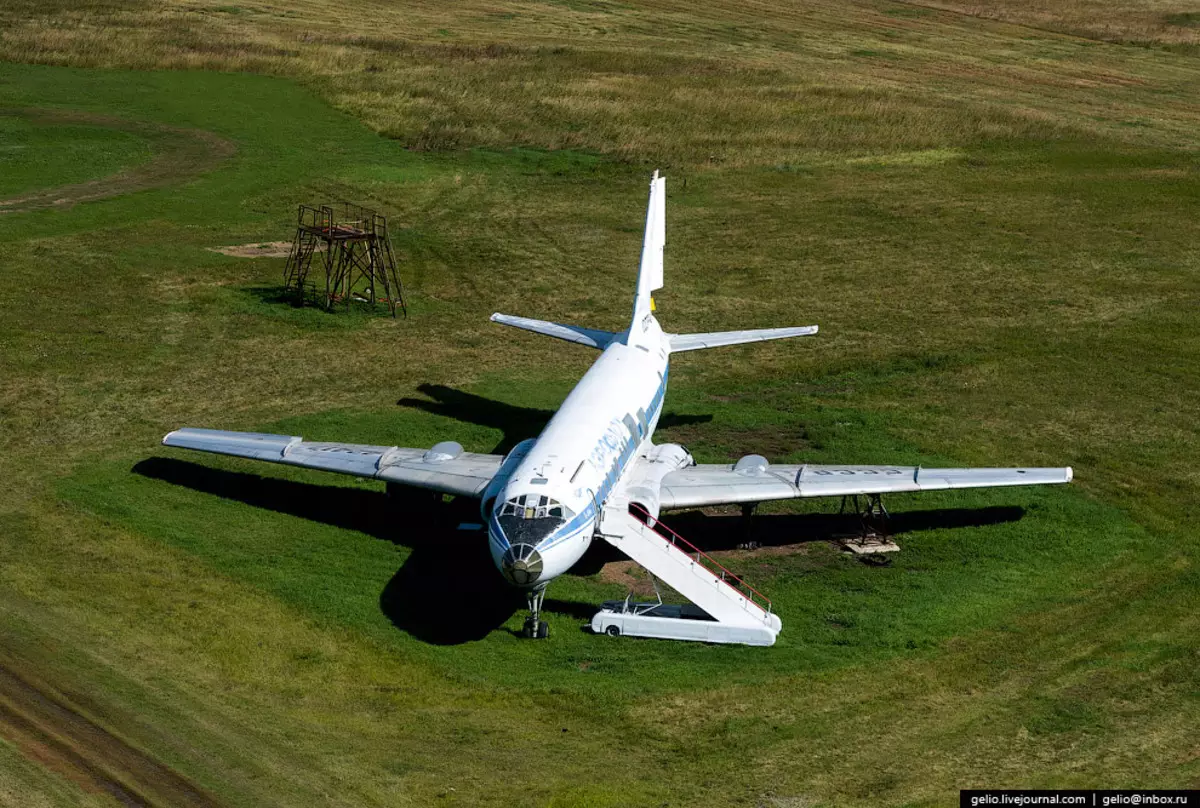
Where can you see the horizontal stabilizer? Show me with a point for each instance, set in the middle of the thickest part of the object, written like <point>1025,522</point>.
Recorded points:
<point>694,342</point>
<point>592,337</point>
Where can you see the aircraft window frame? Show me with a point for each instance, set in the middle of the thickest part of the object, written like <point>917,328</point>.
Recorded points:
<point>534,506</point>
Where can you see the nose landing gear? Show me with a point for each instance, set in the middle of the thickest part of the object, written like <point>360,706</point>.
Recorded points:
<point>535,628</point>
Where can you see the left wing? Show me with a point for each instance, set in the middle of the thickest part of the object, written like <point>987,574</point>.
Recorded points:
<point>728,484</point>
<point>445,467</point>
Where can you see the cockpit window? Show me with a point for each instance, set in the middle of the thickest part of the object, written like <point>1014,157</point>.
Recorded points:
<point>529,518</point>
<point>534,506</point>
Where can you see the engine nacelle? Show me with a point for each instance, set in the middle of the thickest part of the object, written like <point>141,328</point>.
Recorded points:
<point>645,478</point>
<point>443,452</point>
<point>751,466</point>
<point>511,461</point>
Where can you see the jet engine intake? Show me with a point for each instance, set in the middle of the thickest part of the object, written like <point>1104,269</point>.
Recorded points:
<point>646,476</point>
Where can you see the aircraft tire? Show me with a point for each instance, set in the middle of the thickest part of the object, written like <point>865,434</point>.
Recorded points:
<point>613,631</point>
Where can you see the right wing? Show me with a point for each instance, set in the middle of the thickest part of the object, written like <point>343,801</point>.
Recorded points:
<point>696,486</point>
<point>445,467</point>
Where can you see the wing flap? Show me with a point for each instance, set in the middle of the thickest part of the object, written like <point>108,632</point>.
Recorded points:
<point>254,445</point>
<point>701,485</point>
<point>466,474</point>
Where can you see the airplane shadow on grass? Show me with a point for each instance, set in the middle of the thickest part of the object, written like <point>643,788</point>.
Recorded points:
<point>516,423</point>
<point>448,590</point>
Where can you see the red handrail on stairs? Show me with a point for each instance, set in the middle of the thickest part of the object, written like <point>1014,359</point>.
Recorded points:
<point>722,572</point>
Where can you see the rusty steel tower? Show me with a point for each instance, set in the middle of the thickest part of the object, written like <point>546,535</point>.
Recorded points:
<point>359,261</point>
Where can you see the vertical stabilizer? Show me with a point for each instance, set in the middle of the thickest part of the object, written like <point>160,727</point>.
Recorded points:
<point>650,277</point>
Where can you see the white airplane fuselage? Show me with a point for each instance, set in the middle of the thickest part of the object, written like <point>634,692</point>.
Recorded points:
<point>555,493</point>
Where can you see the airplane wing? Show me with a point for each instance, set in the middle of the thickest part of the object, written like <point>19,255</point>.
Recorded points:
<point>727,484</point>
<point>445,467</point>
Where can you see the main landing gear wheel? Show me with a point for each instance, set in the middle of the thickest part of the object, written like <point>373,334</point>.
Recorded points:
<point>613,631</point>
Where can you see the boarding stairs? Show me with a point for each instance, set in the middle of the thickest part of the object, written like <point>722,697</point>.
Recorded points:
<point>688,570</point>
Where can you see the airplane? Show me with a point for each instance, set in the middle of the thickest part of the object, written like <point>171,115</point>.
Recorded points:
<point>594,472</point>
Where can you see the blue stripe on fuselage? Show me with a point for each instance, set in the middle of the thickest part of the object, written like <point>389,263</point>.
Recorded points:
<point>580,521</point>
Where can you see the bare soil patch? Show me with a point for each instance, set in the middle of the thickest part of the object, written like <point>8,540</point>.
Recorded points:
<point>178,155</point>
<point>267,249</point>
<point>629,575</point>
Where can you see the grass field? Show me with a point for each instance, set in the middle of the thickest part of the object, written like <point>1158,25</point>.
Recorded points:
<point>994,225</point>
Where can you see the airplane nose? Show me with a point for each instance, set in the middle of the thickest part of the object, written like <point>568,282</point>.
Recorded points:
<point>521,564</point>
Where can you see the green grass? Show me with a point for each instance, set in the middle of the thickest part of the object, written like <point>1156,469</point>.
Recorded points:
<point>1002,261</point>
<point>837,610</point>
<point>35,156</point>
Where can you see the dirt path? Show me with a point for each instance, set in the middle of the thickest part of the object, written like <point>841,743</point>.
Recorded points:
<point>48,729</point>
<point>178,155</point>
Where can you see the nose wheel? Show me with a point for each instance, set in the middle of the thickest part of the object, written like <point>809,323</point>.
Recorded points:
<point>535,628</point>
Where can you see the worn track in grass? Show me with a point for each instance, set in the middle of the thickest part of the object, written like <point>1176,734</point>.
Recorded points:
<point>180,154</point>
<point>47,728</point>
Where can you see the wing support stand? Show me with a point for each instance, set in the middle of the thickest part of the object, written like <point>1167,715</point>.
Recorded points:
<point>873,536</point>
<point>535,628</point>
<point>747,527</point>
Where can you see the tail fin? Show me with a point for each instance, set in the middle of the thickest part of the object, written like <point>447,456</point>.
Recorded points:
<point>650,277</point>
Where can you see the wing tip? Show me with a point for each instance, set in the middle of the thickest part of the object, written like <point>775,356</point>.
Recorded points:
<point>1070,474</point>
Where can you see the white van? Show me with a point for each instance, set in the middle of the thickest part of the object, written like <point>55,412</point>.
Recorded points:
<point>667,622</point>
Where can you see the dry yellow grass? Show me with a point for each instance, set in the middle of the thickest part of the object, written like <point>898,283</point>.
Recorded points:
<point>1173,23</point>
<point>734,83</point>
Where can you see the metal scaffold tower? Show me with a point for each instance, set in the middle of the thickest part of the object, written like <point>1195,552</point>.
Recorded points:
<point>359,261</point>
